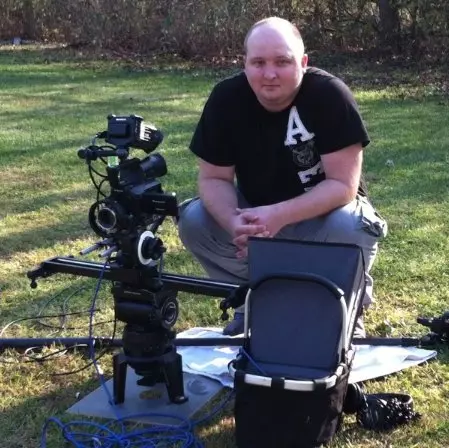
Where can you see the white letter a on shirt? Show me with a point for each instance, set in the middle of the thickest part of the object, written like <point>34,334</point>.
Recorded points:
<point>295,127</point>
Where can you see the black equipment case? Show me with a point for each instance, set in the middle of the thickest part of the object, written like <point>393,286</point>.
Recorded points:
<point>291,375</point>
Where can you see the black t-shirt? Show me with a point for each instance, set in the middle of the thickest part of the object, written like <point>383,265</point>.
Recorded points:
<point>277,154</point>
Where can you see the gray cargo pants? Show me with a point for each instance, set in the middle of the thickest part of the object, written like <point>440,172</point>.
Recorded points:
<point>355,223</point>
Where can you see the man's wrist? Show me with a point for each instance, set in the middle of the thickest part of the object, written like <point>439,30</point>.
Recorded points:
<point>225,218</point>
<point>230,222</point>
<point>283,213</point>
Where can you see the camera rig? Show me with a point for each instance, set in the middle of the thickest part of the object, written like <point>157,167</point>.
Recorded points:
<point>145,297</point>
<point>127,220</point>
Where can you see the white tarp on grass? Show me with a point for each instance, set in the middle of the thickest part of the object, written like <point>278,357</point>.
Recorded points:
<point>369,361</point>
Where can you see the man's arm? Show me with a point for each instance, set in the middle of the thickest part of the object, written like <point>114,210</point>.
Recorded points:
<point>343,169</point>
<point>218,193</point>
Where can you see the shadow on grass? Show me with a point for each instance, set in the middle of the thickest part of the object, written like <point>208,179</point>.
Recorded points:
<point>13,154</point>
<point>66,106</point>
<point>45,201</point>
<point>43,237</point>
<point>182,122</point>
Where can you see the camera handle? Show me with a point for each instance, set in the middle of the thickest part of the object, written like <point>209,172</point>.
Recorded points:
<point>94,152</point>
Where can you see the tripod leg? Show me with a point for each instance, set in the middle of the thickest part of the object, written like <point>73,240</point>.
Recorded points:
<point>119,366</point>
<point>174,379</point>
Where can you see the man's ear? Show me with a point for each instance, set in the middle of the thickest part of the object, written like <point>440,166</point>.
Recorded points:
<point>304,61</point>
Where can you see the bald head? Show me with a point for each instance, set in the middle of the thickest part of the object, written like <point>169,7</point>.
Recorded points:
<point>275,62</point>
<point>280,26</point>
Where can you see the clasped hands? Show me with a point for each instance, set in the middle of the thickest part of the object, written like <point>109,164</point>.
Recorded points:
<point>262,221</point>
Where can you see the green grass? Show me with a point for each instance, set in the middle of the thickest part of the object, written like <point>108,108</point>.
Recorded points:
<point>52,102</point>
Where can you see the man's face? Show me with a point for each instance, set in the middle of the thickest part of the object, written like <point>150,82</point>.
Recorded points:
<point>274,66</point>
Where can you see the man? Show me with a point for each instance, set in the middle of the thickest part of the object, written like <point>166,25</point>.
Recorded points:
<point>292,138</point>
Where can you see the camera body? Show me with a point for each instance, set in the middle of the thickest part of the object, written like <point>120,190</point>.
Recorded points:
<point>135,198</point>
<point>136,195</point>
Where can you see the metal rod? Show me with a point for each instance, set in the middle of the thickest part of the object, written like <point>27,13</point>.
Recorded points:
<point>138,277</point>
<point>24,343</point>
<point>403,342</point>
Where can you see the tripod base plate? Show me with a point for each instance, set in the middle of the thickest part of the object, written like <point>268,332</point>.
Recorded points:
<point>149,400</point>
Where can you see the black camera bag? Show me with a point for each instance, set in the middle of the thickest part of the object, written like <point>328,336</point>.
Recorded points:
<point>291,375</point>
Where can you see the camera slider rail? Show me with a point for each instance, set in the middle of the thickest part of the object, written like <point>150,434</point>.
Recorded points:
<point>132,277</point>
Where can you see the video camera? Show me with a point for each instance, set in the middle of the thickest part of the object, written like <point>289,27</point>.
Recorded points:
<point>136,200</point>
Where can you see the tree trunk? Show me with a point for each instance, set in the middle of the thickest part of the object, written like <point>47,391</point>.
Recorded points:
<point>335,15</point>
<point>389,24</point>
<point>29,28</point>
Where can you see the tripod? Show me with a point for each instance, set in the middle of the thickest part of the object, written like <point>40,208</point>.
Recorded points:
<point>147,303</point>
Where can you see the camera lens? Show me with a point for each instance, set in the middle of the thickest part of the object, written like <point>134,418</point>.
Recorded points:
<point>107,219</point>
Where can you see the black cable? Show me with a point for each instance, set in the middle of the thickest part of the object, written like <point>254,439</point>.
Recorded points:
<point>102,176</point>
<point>99,192</point>
<point>93,361</point>
<point>63,315</point>
<point>34,317</point>
<point>86,366</point>
<point>60,328</point>
<point>52,316</point>
<point>50,356</point>
<point>44,358</point>
<point>92,178</point>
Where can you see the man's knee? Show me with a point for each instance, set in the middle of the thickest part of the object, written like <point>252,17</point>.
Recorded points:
<point>198,229</point>
<point>340,225</point>
<point>190,221</point>
<point>346,225</point>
